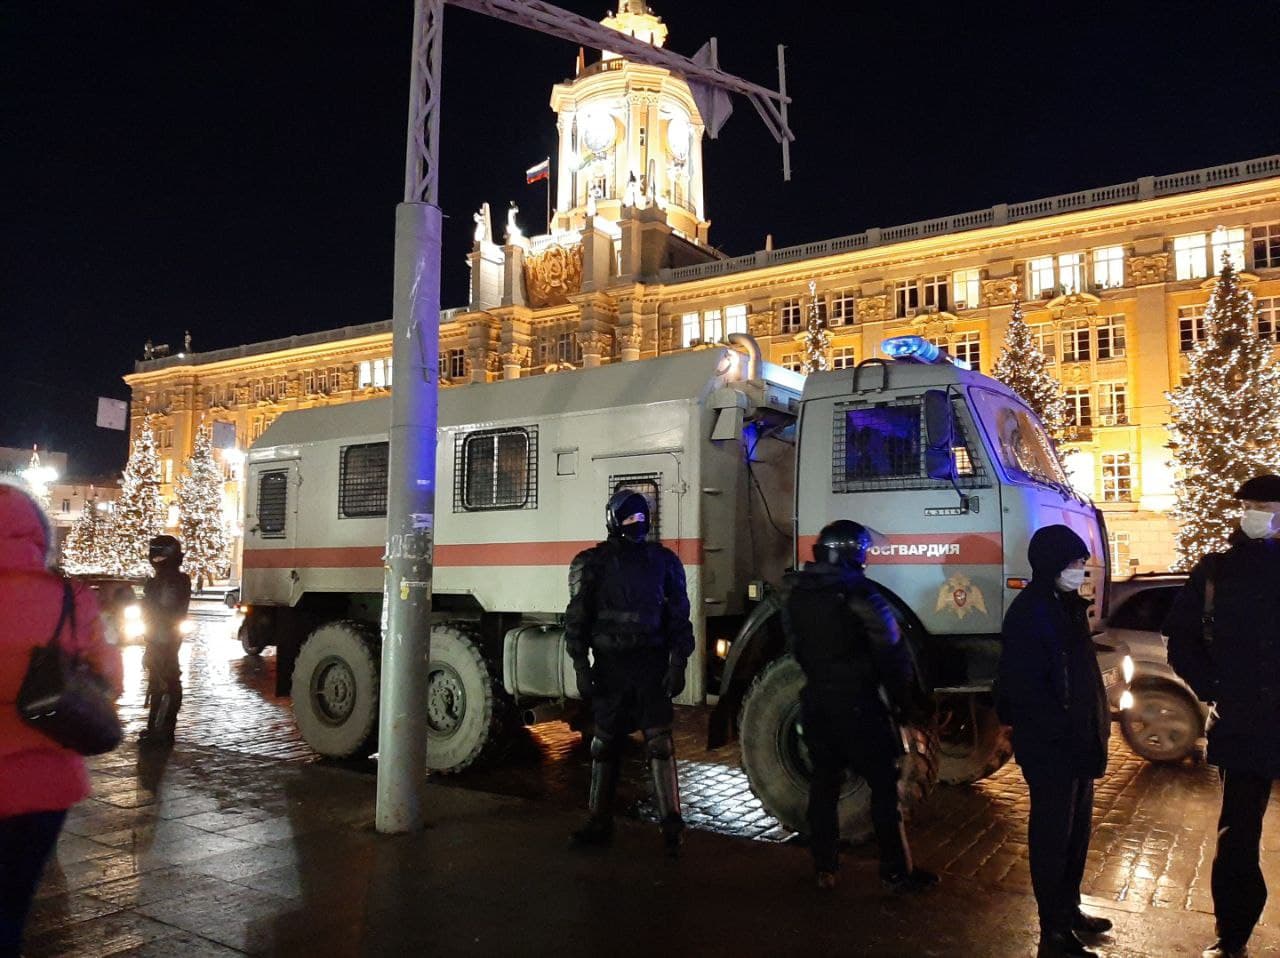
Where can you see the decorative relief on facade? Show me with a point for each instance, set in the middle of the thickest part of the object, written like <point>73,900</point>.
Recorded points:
<point>999,292</point>
<point>242,394</point>
<point>1075,306</point>
<point>934,326</point>
<point>1075,374</point>
<point>873,309</point>
<point>595,341</point>
<point>1144,270</point>
<point>760,324</point>
<point>347,379</point>
<point>553,275</point>
<point>628,338</point>
<point>515,355</point>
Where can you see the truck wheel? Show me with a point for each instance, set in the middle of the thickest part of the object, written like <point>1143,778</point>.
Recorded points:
<point>335,689</point>
<point>254,635</point>
<point>464,715</point>
<point>1164,723</point>
<point>973,742</point>
<point>777,763</point>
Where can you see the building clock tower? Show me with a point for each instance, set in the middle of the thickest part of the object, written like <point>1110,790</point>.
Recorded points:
<point>630,137</point>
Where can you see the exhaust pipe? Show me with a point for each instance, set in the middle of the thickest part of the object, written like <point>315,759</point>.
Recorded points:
<point>546,712</point>
<point>755,357</point>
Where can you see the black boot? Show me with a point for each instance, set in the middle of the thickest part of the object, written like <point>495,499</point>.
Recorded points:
<point>598,829</point>
<point>1062,944</point>
<point>1083,924</point>
<point>666,789</point>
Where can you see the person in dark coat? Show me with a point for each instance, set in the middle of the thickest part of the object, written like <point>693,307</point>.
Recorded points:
<point>1230,656</point>
<point>860,682</point>
<point>1051,692</point>
<point>628,632</point>
<point>166,597</point>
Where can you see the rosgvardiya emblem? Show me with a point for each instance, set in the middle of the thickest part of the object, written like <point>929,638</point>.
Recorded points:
<point>960,596</point>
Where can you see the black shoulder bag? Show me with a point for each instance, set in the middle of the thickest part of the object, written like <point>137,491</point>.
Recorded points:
<point>62,697</point>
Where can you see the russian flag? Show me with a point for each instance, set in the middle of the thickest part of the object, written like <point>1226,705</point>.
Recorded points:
<point>540,171</point>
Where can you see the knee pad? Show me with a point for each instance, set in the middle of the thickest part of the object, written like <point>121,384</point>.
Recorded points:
<point>658,744</point>
<point>604,749</point>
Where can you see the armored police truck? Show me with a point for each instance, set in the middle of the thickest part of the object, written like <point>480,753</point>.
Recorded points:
<point>742,463</point>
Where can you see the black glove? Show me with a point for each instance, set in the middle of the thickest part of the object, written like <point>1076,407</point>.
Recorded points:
<point>673,681</point>
<point>586,688</point>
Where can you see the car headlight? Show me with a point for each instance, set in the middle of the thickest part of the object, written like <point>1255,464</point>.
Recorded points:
<point>1126,668</point>
<point>133,613</point>
<point>134,628</point>
<point>1126,699</point>
<point>186,627</point>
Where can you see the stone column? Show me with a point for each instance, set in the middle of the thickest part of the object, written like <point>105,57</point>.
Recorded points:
<point>629,340</point>
<point>515,358</point>
<point>594,346</point>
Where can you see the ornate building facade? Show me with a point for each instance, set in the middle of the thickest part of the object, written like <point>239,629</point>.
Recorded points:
<point>1113,280</point>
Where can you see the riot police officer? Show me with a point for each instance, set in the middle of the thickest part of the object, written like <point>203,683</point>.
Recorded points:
<point>861,681</point>
<point>165,599</point>
<point>629,608</point>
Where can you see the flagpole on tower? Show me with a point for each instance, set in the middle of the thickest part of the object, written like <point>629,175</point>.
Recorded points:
<point>548,196</point>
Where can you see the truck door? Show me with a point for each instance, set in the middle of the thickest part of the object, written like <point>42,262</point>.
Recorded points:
<point>270,533</point>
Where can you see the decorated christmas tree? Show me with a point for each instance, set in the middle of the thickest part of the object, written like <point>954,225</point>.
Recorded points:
<point>1024,368</point>
<point>816,339</point>
<point>140,512</point>
<point>1225,427</point>
<point>204,536</point>
<point>88,544</point>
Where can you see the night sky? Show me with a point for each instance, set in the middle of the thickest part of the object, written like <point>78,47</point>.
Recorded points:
<point>232,168</point>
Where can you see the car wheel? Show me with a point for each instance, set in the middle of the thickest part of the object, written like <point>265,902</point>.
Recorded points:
<point>1163,724</point>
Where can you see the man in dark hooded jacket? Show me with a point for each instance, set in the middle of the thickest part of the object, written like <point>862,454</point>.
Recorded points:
<point>1228,651</point>
<point>165,599</point>
<point>860,681</point>
<point>629,610</point>
<point>1051,692</point>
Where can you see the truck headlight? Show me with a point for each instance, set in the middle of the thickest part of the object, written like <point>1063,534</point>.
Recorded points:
<point>1126,699</point>
<point>133,613</point>
<point>186,627</point>
<point>722,648</point>
<point>1126,668</point>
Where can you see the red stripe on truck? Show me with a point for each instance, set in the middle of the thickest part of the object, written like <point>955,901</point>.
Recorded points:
<point>974,548</point>
<point>450,554</point>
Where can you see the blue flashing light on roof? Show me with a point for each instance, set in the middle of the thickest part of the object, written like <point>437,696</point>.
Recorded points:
<point>917,349</point>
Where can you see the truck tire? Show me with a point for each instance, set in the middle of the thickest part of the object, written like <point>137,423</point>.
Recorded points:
<point>335,689</point>
<point>464,714</point>
<point>973,743</point>
<point>776,761</point>
<point>1164,723</point>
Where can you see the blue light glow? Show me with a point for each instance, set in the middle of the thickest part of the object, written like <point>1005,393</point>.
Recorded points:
<point>912,347</point>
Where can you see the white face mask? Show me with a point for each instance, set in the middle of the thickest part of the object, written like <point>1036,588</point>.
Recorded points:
<point>1070,579</point>
<point>1257,523</point>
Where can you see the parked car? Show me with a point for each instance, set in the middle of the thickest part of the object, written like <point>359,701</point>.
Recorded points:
<point>118,600</point>
<point>1159,715</point>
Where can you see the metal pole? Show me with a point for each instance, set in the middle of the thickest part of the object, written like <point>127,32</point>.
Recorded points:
<point>411,474</point>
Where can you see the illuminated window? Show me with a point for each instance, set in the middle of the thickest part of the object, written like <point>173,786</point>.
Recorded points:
<point>453,363</point>
<point>906,298</point>
<point>791,314</point>
<point>334,379</point>
<point>1079,406</point>
<point>1040,277</point>
<point>308,382</point>
<point>1268,313</point>
<point>1266,246</point>
<point>1192,327</point>
<point>257,390</point>
<point>735,319</point>
<point>1111,338</point>
<point>1189,256</point>
<point>935,293</point>
<point>842,357</point>
<point>712,326</point>
<point>1231,243</point>
<point>365,378</point>
<point>257,428</point>
<point>1075,341</point>
<point>1108,267</point>
<point>1071,272</point>
<point>1119,545</point>
<point>690,329</point>
<point>1113,404</point>
<point>967,347</point>
<point>966,288</point>
<point>792,361</point>
<point>1046,338</point>
<point>842,307</point>
<point>168,470</point>
<point>1117,477</point>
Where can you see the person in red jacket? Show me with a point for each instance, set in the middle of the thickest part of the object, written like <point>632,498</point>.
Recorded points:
<point>39,780</point>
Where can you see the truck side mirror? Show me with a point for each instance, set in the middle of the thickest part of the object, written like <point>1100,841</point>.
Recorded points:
<point>939,430</point>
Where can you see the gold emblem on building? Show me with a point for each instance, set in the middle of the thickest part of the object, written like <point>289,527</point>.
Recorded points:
<point>959,595</point>
<point>553,275</point>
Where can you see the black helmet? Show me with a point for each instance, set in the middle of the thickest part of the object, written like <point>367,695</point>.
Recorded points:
<point>1264,488</point>
<point>627,514</point>
<point>164,550</point>
<point>843,542</point>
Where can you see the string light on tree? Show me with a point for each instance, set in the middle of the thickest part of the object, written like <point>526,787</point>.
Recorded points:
<point>89,543</point>
<point>140,511</point>
<point>1224,427</point>
<point>816,338</point>
<point>205,545</point>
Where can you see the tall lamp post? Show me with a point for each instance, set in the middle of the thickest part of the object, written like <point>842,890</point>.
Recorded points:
<point>415,332</point>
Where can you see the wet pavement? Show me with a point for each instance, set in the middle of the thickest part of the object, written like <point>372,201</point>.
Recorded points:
<point>241,840</point>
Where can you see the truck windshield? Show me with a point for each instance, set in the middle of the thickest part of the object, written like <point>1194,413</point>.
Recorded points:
<point>1021,444</point>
